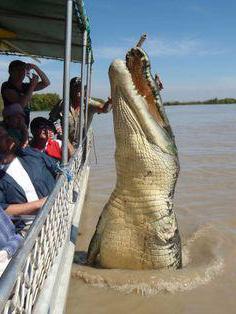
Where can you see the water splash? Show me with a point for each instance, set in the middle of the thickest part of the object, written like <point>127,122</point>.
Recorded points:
<point>201,259</point>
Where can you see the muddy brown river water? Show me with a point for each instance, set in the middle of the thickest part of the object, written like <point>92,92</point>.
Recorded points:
<point>205,203</point>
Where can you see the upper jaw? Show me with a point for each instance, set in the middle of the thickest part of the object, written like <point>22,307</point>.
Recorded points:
<point>137,62</point>
<point>121,80</point>
<point>141,81</point>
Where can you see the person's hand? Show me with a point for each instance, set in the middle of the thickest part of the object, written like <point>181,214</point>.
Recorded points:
<point>107,105</point>
<point>41,202</point>
<point>30,66</point>
<point>109,101</point>
<point>34,80</point>
<point>58,129</point>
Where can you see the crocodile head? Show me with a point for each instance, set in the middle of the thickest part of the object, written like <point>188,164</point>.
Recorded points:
<point>136,93</point>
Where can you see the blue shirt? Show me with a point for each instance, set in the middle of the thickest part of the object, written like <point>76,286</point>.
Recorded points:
<point>9,240</point>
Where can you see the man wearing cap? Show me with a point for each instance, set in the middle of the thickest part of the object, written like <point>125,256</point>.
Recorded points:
<point>15,91</point>
<point>94,106</point>
<point>43,131</point>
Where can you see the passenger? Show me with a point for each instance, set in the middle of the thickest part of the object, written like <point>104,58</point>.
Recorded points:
<point>43,131</point>
<point>27,177</point>
<point>95,106</point>
<point>15,91</point>
<point>14,122</point>
<point>10,241</point>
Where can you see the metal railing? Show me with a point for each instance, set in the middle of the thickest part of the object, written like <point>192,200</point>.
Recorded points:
<point>24,276</point>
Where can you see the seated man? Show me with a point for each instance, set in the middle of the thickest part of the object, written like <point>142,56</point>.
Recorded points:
<point>14,122</point>
<point>94,106</point>
<point>43,131</point>
<point>27,177</point>
<point>10,241</point>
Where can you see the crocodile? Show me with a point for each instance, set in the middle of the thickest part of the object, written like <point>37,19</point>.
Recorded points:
<point>137,228</point>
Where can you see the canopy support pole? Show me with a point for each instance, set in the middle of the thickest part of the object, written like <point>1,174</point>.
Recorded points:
<point>66,78</point>
<point>82,103</point>
<point>88,82</point>
<point>90,72</point>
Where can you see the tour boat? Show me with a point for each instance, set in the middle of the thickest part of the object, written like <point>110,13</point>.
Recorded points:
<point>37,278</point>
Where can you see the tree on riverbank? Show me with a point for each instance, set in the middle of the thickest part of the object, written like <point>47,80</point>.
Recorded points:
<point>40,102</point>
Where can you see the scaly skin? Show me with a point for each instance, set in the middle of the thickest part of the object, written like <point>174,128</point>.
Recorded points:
<point>137,228</point>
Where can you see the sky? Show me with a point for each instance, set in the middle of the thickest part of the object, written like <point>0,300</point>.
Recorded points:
<point>191,45</point>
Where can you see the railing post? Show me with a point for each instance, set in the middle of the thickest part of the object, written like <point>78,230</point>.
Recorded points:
<point>66,78</point>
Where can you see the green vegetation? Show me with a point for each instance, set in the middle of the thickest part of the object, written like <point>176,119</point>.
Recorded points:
<point>41,102</point>
<point>213,101</point>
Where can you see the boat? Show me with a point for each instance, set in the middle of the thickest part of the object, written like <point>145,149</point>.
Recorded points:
<point>37,278</point>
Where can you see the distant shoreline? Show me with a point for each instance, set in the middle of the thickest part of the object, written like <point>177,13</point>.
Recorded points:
<point>214,101</point>
<point>45,102</point>
<point>193,104</point>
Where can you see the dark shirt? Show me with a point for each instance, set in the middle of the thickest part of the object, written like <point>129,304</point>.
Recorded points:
<point>23,91</point>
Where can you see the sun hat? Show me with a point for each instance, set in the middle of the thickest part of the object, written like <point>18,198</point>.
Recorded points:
<point>40,122</point>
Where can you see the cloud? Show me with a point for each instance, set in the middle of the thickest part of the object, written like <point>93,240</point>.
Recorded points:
<point>198,8</point>
<point>182,47</point>
<point>160,47</point>
<point>4,65</point>
<point>103,5</point>
<point>219,87</point>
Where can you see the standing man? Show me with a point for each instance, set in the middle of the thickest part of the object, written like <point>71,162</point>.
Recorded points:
<point>15,91</point>
<point>94,106</point>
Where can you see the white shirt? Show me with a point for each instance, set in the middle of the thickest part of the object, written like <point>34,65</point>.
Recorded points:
<point>18,173</point>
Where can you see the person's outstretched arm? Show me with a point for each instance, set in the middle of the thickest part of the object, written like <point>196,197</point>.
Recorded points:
<point>101,106</point>
<point>25,208</point>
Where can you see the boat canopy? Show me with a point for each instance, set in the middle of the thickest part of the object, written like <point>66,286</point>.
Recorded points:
<point>37,28</point>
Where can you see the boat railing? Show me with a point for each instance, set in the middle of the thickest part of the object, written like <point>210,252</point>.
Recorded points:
<point>23,279</point>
